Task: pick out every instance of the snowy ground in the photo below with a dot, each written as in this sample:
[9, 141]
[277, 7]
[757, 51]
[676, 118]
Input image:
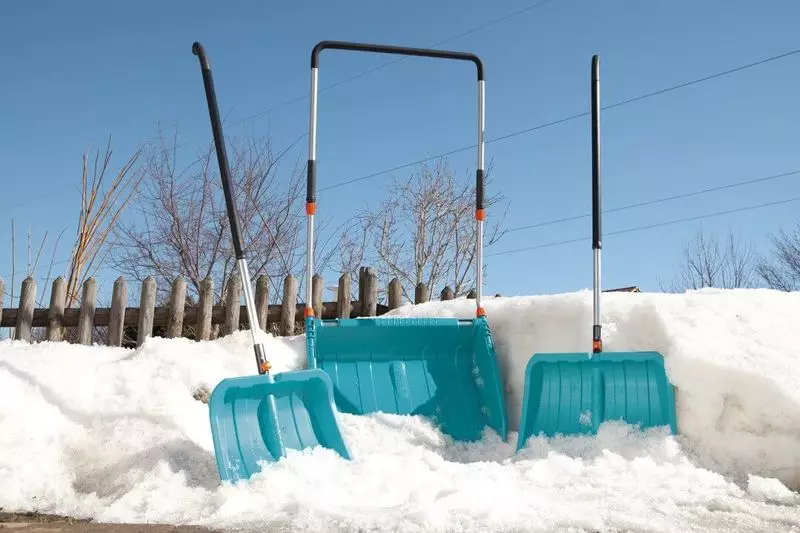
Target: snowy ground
[116, 435]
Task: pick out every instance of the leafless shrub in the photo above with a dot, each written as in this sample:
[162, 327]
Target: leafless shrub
[709, 262]
[783, 272]
[424, 231]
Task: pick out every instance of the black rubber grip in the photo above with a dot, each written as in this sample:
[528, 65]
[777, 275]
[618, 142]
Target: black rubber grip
[219, 143]
[198, 50]
[311, 182]
[479, 179]
[597, 234]
[398, 50]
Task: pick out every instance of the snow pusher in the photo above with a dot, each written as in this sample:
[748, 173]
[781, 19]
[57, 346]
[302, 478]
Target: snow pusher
[573, 393]
[257, 418]
[442, 368]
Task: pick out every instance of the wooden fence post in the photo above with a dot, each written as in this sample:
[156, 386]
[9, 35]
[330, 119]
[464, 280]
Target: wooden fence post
[119, 298]
[361, 273]
[289, 305]
[177, 308]
[55, 315]
[27, 299]
[471, 295]
[447, 293]
[343, 304]
[204, 310]
[369, 305]
[233, 306]
[395, 293]
[420, 293]
[317, 290]
[147, 309]
[262, 301]
[86, 316]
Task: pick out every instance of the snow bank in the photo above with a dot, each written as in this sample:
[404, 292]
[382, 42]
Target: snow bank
[733, 356]
[116, 435]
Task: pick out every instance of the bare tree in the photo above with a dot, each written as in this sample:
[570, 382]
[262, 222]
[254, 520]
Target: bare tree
[709, 262]
[98, 216]
[425, 230]
[783, 272]
[101, 205]
[183, 227]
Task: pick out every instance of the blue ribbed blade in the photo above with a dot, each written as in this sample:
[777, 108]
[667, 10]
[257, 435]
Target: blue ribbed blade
[254, 418]
[573, 393]
[441, 368]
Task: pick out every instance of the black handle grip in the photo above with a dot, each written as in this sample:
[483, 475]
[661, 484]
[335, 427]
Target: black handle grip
[597, 238]
[398, 50]
[479, 181]
[219, 143]
[311, 182]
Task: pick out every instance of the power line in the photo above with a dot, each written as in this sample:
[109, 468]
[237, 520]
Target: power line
[657, 200]
[379, 67]
[570, 118]
[617, 232]
[649, 226]
[393, 61]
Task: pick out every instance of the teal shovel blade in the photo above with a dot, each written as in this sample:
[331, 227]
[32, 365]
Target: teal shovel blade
[444, 369]
[573, 393]
[257, 418]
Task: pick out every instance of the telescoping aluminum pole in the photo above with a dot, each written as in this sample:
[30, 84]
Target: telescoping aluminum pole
[597, 240]
[233, 217]
[480, 211]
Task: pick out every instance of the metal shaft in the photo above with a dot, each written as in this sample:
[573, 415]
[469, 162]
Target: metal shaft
[311, 187]
[233, 218]
[597, 239]
[479, 197]
[312, 137]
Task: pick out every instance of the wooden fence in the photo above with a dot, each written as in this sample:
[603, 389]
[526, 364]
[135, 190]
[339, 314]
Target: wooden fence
[130, 326]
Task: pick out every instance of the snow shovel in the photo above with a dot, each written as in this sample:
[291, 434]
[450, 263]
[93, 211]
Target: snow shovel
[573, 393]
[257, 418]
[441, 368]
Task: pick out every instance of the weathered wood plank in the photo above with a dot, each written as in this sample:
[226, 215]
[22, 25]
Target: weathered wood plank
[343, 304]
[233, 298]
[177, 308]
[55, 316]
[147, 306]
[370, 299]
[472, 294]
[262, 301]
[395, 293]
[86, 313]
[27, 300]
[317, 290]
[361, 273]
[289, 306]
[102, 315]
[206, 304]
[447, 293]
[421, 294]
[119, 297]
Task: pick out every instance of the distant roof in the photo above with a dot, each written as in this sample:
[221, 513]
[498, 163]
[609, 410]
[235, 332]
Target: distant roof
[633, 288]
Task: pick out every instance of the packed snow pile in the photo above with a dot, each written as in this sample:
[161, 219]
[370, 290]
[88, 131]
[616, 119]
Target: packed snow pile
[117, 435]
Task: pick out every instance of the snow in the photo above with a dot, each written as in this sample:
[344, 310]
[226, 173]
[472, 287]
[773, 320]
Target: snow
[116, 435]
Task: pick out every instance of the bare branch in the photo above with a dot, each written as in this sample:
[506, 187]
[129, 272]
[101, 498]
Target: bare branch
[425, 231]
[707, 262]
[783, 272]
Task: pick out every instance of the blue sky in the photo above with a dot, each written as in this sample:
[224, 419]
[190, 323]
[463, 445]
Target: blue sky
[75, 73]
